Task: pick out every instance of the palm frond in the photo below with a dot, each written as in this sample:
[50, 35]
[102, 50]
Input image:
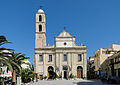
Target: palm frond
[0, 71]
[16, 65]
[6, 62]
[3, 40]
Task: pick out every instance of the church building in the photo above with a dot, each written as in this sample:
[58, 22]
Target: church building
[63, 58]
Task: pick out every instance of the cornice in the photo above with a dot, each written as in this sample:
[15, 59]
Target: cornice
[61, 48]
[61, 53]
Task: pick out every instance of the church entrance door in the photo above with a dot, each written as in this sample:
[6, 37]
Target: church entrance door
[79, 72]
[65, 74]
[50, 72]
[65, 71]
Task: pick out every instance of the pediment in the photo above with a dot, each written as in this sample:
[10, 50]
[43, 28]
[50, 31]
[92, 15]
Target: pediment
[64, 34]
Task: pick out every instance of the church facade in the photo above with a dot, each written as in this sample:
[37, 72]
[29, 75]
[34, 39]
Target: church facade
[63, 58]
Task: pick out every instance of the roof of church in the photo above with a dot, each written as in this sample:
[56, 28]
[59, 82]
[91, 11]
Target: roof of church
[64, 33]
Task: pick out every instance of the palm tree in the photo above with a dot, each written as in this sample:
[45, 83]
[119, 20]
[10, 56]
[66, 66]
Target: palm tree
[16, 60]
[4, 60]
[11, 59]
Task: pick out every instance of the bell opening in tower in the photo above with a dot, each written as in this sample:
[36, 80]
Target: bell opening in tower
[40, 28]
[40, 18]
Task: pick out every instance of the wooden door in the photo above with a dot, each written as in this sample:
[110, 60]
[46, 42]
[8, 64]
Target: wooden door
[79, 74]
[41, 77]
[48, 75]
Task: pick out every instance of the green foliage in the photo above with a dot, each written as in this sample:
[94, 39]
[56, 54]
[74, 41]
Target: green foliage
[71, 76]
[3, 40]
[5, 61]
[27, 75]
[60, 76]
[91, 72]
[16, 60]
[45, 77]
[3, 58]
[0, 71]
[55, 75]
[12, 60]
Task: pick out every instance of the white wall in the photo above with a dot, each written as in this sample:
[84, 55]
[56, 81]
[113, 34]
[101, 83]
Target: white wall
[60, 42]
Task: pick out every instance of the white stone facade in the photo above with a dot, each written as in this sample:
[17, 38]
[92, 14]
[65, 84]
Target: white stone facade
[63, 58]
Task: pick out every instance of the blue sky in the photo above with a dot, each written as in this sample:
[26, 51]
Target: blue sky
[95, 23]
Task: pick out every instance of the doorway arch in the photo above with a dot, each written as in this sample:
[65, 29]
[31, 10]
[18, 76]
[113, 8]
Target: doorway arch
[79, 72]
[65, 72]
[50, 72]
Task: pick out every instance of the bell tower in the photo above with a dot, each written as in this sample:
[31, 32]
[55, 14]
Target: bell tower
[40, 35]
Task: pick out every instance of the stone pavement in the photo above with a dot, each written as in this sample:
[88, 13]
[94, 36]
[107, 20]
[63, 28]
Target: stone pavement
[69, 82]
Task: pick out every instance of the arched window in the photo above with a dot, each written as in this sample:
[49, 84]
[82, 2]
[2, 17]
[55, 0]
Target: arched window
[40, 18]
[40, 28]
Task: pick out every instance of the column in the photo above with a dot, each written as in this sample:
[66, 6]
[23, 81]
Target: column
[45, 70]
[84, 65]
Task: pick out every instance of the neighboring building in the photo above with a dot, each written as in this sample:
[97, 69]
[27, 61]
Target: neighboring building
[110, 69]
[105, 69]
[63, 58]
[114, 64]
[26, 64]
[4, 69]
[101, 56]
[90, 68]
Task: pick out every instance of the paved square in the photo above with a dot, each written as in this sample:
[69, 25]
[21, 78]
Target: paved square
[69, 82]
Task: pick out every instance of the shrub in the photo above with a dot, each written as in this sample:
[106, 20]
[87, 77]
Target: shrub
[71, 76]
[60, 76]
[45, 77]
[27, 75]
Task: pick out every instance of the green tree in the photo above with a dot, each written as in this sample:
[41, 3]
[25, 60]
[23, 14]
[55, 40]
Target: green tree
[16, 60]
[12, 60]
[3, 59]
[27, 75]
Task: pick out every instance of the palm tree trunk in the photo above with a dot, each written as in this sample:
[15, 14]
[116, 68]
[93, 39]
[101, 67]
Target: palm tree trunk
[14, 77]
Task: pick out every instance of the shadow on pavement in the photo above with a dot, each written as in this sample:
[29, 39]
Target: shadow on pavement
[87, 83]
[91, 83]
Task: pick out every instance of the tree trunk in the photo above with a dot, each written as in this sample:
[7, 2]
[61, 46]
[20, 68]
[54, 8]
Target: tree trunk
[14, 77]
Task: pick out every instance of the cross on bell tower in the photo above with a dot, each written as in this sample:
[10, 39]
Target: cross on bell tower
[64, 28]
[41, 7]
